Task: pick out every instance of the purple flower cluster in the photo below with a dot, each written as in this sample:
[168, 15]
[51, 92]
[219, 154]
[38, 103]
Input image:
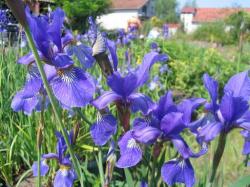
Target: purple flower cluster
[66, 175]
[3, 20]
[156, 122]
[71, 85]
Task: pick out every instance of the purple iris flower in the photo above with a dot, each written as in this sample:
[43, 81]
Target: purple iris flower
[66, 175]
[123, 88]
[232, 111]
[178, 171]
[3, 20]
[154, 47]
[165, 121]
[102, 130]
[165, 31]
[122, 38]
[33, 95]
[71, 85]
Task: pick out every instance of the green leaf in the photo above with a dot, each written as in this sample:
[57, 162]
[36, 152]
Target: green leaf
[129, 178]
[243, 181]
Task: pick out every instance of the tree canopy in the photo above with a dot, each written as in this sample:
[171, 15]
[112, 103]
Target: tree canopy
[79, 10]
[166, 10]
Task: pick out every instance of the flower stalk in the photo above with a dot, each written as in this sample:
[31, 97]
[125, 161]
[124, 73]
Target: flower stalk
[217, 156]
[53, 102]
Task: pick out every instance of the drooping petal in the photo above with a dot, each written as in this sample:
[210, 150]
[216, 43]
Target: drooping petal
[165, 105]
[188, 106]
[212, 87]
[73, 87]
[140, 102]
[105, 99]
[123, 86]
[130, 151]
[239, 84]
[103, 129]
[44, 168]
[178, 171]
[172, 123]
[50, 156]
[144, 69]
[146, 134]
[184, 150]
[210, 131]
[65, 178]
[29, 58]
[26, 100]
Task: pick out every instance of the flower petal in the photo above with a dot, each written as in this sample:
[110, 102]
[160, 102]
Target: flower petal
[44, 168]
[246, 147]
[187, 107]
[123, 86]
[65, 178]
[208, 132]
[239, 84]
[112, 49]
[55, 27]
[172, 123]
[102, 130]
[73, 87]
[62, 61]
[146, 134]
[140, 102]
[144, 69]
[165, 105]
[105, 99]
[212, 87]
[185, 150]
[130, 151]
[178, 171]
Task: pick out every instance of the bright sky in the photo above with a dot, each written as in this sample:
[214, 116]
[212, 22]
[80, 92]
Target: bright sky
[217, 3]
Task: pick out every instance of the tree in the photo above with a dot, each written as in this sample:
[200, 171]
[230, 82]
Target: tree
[166, 10]
[78, 11]
[239, 23]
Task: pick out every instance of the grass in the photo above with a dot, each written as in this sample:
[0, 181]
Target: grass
[18, 132]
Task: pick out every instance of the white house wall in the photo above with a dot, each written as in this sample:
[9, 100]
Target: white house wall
[116, 19]
[187, 20]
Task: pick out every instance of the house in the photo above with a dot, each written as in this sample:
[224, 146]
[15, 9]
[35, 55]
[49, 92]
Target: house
[192, 18]
[122, 11]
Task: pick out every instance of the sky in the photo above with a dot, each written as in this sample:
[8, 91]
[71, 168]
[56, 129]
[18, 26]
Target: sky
[217, 3]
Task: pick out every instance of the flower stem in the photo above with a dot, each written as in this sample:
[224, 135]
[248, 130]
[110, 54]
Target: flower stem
[39, 183]
[76, 165]
[100, 166]
[217, 156]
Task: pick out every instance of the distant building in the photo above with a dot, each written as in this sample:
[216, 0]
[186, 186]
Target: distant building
[192, 18]
[123, 10]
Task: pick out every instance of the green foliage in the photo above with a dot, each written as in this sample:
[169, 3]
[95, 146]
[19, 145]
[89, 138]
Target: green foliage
[187, 65]
[166, 10]
[240, 25]
[213, 32]
[79, 10]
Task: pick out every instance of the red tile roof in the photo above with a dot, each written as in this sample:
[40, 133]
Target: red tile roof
[214, 14]
[128, 4]
[188, 10]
